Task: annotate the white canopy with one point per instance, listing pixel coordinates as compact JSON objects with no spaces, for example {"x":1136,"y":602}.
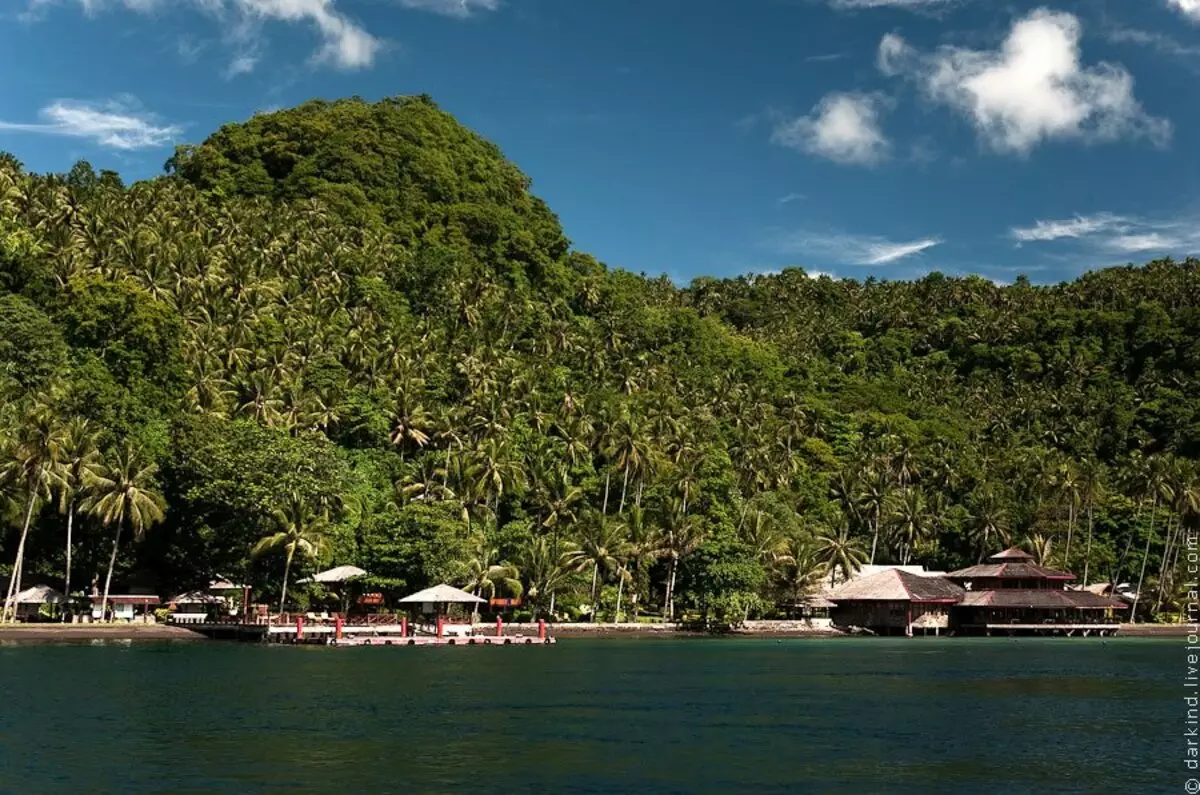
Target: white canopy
{"x":198,"y":598}
{"x":339,"y":574}
{"x":40,"y":595}
{"x":443,"y":594}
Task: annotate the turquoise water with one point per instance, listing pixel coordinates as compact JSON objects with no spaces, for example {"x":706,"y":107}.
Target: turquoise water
{"x":620,"y":716}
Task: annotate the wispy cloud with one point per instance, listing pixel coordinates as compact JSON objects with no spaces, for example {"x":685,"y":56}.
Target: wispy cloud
{"x":791,"y":197}
{"x":1116,"y":234}
{"x":853,"y":249}
{"x":116,"y":124}
{"x":841,"y":127}
{"x":832,"y":56}
{"x":1033,"y":88}
{"x":1159,"y":42}
{"x":910,"y":5}
{"x":345,"y":44}
{"x":452,"y":8}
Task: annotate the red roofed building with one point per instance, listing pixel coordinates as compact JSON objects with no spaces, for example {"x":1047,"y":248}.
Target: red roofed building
{"x":1010,"y":594}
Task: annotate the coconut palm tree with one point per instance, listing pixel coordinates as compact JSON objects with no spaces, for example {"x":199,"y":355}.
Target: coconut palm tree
{"x":541,"y":562}
{"x":837,"y":551}
{"x":484,"y":574}
{"x":125,"y":493}
{"x":602,"y":547}
{"x":81,"y":465}
{"x":32,"y":465}
{"x":300,"y":530}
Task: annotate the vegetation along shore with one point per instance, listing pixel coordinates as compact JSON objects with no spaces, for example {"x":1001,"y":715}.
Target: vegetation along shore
{"x":349,"y":333}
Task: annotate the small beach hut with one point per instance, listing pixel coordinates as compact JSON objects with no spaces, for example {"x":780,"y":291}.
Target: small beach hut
{"x":31,"y":601}
{"x":195,"y":607}
{"x":337,"y":577}
{"x":435,"y":603}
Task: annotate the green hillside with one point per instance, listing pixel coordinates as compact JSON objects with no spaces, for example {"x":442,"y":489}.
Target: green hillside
{"x":351,"y":330}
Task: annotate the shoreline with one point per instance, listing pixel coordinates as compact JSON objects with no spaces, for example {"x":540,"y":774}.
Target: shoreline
{"x":56,"y":633}
{"x":67,"y":633}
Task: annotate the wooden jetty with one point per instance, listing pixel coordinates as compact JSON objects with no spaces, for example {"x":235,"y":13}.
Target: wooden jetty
{"x":371,"y":633}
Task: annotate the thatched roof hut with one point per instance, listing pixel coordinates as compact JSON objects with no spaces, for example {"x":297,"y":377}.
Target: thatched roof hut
{"x":895,"y":585}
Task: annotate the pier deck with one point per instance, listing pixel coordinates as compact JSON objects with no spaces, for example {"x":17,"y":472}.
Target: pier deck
{"x":1069,"y":630}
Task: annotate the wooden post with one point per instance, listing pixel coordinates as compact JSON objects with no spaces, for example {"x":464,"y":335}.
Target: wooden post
{"x":541,"y":629}
{"x":404,"y":626}
{"x":299,"y":628}
{"x":337,"y":628}
{"x":499,"y":627}
{"x":440,"y":627}
{"x":245,"y":604}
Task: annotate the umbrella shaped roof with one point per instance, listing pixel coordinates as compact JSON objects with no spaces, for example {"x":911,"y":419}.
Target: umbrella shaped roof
{"x":39,"y":595}
{"x":443,"y":593}
{"x":337,"y":574}
{"x":198,"y":598}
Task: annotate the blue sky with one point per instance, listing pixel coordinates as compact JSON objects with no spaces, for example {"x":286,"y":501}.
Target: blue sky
{"x":693,"y":137}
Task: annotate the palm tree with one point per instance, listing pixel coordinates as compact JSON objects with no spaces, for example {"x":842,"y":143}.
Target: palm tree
{"x":1091,"y":486}
{"x":483,"y":574}
{"x":838,"y":551}
{"x":681,"y":535}
{"x":33,"y":466}
{"x":602,"y":546}
{"x":874,"y":500}
{"x":541,"y":563}
{"x":911,"y":522}
{"x":81,"y":465}
{"x":797,"y":569}
{"x":125,"y":493}
{"x":300,"y":529}
{"x":991,"y":522}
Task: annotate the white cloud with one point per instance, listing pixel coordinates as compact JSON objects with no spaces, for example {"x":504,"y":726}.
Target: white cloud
{"x":1189,"y":8}
{"x":116,"y":124}
{"x":1116,"y":233}
{"x":452,"y":8}
{"x":344,"y":44}
{"x":841,"y":127}
{"x":791,"y":197}
{"x":854,"y":249}
{"x":1079,"y":226}
{"x":1032,"y":89}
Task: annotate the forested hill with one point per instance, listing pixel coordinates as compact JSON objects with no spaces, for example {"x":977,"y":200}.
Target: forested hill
{"x":349,"y":332}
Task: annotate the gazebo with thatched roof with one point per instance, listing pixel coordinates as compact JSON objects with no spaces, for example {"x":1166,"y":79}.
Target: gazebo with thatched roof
{"x":435,"y":602}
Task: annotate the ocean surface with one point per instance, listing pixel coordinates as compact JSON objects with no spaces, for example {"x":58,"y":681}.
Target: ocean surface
{"x":646,"y":715}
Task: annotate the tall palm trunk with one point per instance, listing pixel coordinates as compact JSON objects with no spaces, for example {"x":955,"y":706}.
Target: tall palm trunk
{"x":620,"y":589}
{"x":1145,"y":555}
{"x":1087,"y":554}
{"x":112,"y":562}
{"x":14,"y":582}
{"x":287,"y":570}
{"x":1070,"y":534}
{"x":70,"y":526}
{"x":671,"y":588}
{"x":595,"y":575}
{"x":874,"y":538}
{"x":624,"y":488}
{"x":604,"y":507}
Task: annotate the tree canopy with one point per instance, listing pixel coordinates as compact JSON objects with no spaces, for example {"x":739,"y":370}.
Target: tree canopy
{"x":360,"y":312}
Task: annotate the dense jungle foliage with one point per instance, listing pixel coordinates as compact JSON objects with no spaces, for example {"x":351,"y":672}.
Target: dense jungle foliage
{"x":347,"y":333}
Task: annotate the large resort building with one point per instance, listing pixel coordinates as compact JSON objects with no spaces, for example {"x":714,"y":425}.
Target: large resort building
{"x":1010,"y":594}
